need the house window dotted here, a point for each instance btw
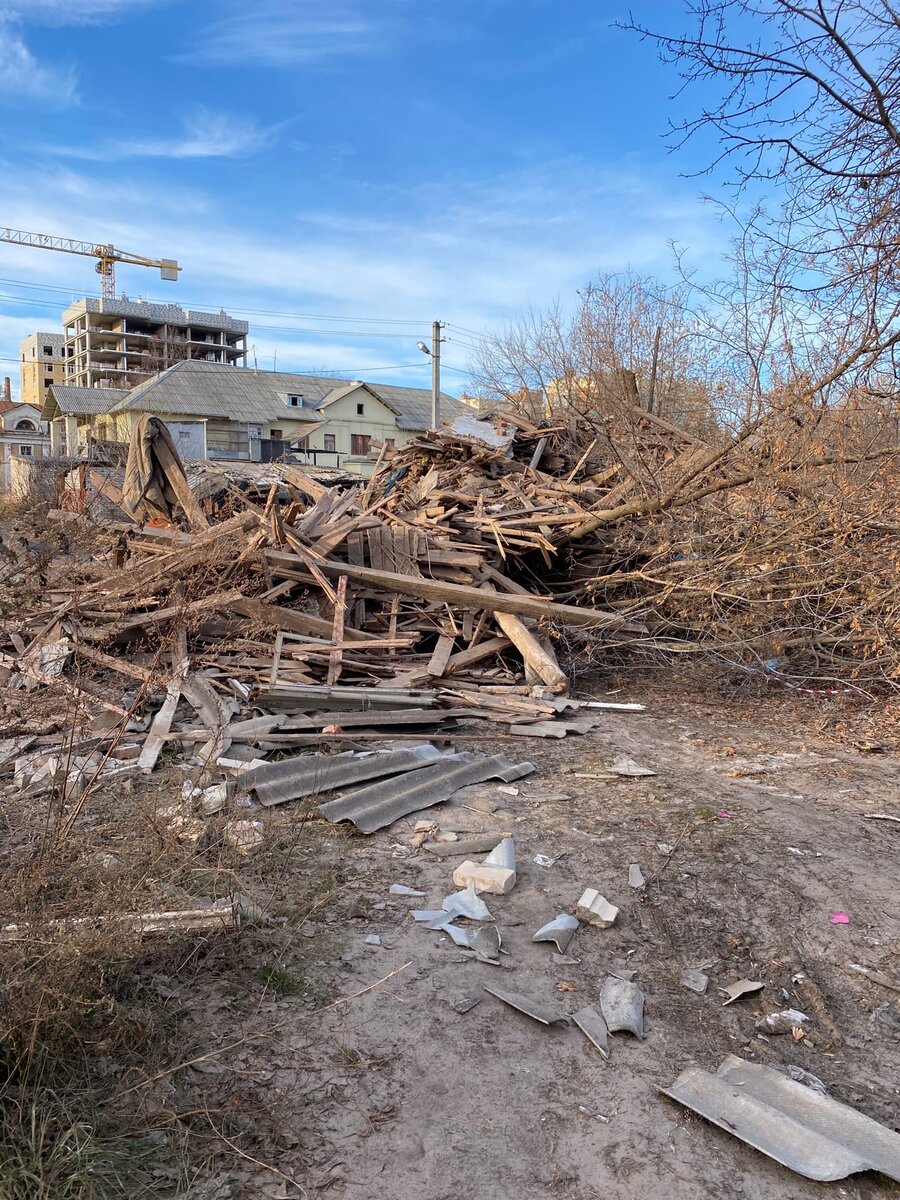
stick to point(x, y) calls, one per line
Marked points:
point(25, 451)
point(330, 446)
point(359, 443)
point(48, 351)
point(295, 401)
point(360, 409)
point(301, 443)
point(25, 425)
point(276, 435)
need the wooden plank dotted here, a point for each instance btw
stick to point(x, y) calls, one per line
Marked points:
point(162, 720)
point(291, 619)
point(467, 658)
point(337, 634)
point(441, 656)
point(533, 653)
point(465, 596)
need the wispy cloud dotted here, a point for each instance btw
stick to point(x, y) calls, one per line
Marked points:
point(280, 33)
point(23, 77)
point(67, 12)
point(206, 134)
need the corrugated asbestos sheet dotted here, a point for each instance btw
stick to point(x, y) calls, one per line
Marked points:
point(372, 807)
point(814, 1135)
point(309, 774)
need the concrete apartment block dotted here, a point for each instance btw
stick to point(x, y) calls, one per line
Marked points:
point(42, 358)
point(117, 343)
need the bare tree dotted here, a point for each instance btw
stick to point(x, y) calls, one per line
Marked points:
point(809, 101)
point(628, 344)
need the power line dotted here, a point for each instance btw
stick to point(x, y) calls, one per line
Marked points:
point(262, 312)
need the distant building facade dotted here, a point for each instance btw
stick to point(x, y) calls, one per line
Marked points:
point(23, 437)
point(42, 362)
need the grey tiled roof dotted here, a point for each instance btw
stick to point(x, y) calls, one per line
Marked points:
point(82, 401)
point(202, 389)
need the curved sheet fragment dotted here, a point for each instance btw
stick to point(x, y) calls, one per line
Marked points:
point(811, 1134)
point(560, 930)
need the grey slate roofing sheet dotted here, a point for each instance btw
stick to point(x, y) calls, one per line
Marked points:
point(812, 1134)
point(81, 401)
point(309, 774)
point(192, 388)
point(381, 803)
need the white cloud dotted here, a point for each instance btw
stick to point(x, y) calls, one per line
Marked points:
point(22, 76)
point(280, 33)
point(72, 12)
point(206, 134)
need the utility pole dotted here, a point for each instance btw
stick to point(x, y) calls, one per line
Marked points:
point(436, 375)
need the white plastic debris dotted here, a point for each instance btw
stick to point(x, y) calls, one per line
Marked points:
point(400, 889)
point(544, 860)
point(373, 940)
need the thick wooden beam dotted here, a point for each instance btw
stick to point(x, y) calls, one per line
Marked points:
point(463, 596)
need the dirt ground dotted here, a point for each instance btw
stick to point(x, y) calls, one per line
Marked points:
point(394, 1093)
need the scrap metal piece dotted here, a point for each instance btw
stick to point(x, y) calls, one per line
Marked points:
point(807, 1132)
point(592, 1025)
point(695, 980)
point(596, 909)
point(622, 1005)
point(636, 876)
point(309, 774)
point(743, 987)
point(537, 1012)
point(382, 803)
point(467, 903)
point(560, 930)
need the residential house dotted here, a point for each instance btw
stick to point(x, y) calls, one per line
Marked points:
point(219, 412)
point(23, 436)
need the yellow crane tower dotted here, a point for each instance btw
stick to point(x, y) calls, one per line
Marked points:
point(107, 256)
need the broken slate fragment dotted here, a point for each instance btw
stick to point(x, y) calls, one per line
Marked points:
point(636, 876)
point(467, 903)
point(560, 930)
point(743, 987)
point(592, 1025)
point(628, 768)
point(595, 909)
point(464, 1004)
point(485, 941)
point(622, 1005)
point(695, 980)
point(537, 1012)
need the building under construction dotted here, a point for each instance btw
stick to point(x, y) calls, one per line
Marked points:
point(118, 342)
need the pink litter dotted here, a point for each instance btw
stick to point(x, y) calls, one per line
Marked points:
point(840, 919)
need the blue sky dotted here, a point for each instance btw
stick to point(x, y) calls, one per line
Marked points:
point(379, 163)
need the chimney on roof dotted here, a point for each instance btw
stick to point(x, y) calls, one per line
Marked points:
point(7, 390)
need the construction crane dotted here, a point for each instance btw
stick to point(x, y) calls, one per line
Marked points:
point(107, 256)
